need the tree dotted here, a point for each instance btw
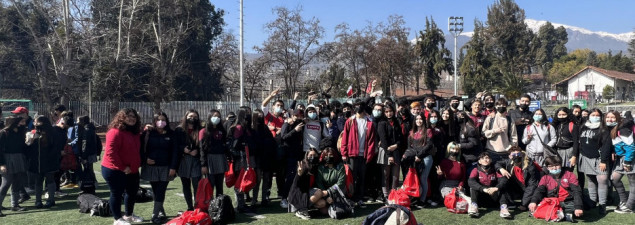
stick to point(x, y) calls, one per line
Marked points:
point(354, 50)
point(568, 65)
point(508, 37)
point(291, 45)
point(434, 57)
point(631, 48)
point(549, 45)
point(618, 62)
point(392, 59)
point(608, 92)
point(476, 67)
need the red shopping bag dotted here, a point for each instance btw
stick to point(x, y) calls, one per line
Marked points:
point(455, 203)
point(548, 209)
point(204, 194)
point(399, 197)
point(199, 217)
point(69, 160)
point(230, 176)
point(411, 183)
point(349, 181)
point(247, 177)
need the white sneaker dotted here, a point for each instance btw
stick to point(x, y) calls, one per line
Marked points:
point(133, 218)
point(433, 203)
point(284, 204)
point(120, 221)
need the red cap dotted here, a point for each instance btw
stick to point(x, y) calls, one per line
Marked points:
point(20, 110)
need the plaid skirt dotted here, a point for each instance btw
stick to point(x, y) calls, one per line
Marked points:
point(565, 155)
point(155, 173)
point(217, 163)
point(620, 169)
point(591, 166)
point(189, 167)
point(15, 163)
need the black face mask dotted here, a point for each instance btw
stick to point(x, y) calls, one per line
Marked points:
point(524, 107)
point(454, 154)
point(313, 160)
point(347, 114)
point(562, 120)
point(329, 160)
point(485, 167)
point(455, 105)
point(501, 109)
point(192, 121)
point(431, 105)
point(517, 159)
point(489, 104)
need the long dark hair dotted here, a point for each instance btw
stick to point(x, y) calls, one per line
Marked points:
point(467, 121)
point(119, 122)
point(155, 118)
point(556, 121)
point(452, 122)
point(415, 129)
point(544, 119)
point(209, 129)
point(243, 118)
point(183, 123)
point(45, 128)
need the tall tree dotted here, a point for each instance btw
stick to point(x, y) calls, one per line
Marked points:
point(291, 44)
point(354, 49)
point(392, 58)
point(631, 48)
point(434, 57)
point(476, 68)
point(509, 37)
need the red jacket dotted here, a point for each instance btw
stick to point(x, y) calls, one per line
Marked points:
point(122, 150)
point(350, 145)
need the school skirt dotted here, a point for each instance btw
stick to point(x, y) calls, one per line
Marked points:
point(217, 163)
point(155, 173)
point(591, 166)
point(619, 168)
point(566, 154)
point(189, 167)
point(15, 163)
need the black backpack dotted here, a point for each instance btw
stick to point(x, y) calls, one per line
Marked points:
point(101, 208)
point(85, 202)
point(144, 195)
point(88, 182)
point(341, 206)
point(221, 210)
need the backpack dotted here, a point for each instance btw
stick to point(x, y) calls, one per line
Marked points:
point(86, 201)
point(402, 216)
point(144, 195)
point(221, 210)
point(100, 208)
point(88, 182)
point(341, 206)
point(204, 194)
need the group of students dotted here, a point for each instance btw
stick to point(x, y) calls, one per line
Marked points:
point(494, 154)
point(32, 152)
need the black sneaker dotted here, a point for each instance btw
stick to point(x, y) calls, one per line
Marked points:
point(602, 210)
point(156, 220)
point(18, 208)
point(24, 199)
point(38, 205)
point(49, 204)
point(569, 217)
point(623, 209)
point(361, 204)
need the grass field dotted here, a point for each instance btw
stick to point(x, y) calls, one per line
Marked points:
point(66, 212)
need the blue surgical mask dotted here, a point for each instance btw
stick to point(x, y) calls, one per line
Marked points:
point(594, 119)
point(376, 113)
point(312, 115)
point(611, 124)
point(433, 120)
point(278, 110)
point(537, 118)
point(555, 172)
point(215, 120)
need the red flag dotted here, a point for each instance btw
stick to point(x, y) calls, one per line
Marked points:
point(369, 87)
point(349, 92)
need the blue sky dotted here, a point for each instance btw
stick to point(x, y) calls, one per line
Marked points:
point(614, 16)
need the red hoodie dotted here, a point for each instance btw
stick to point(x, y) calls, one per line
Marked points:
point(350, 143)
point(122, 150)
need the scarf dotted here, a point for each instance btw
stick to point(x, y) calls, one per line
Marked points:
point(592, 125)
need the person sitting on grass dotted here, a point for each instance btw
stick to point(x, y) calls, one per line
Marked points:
point(562, 184)
point(451, 170)
point(304, 184)
point(522, 175)
point(484, 179)
point(330, 175)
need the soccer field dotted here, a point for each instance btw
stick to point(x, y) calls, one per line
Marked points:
point(66, 212)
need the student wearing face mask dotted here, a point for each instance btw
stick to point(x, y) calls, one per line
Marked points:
point(451, 170)
point(522, 175)
point(329, 180)
point(188, 145)
point(214, 151)
point(374, 170)
point(489, 103)
point(576, 111)
point(595, 155)
point(314, 129)
point(420, 155)
point(275, 118)
point(499, 131)
point(624, 147)
point(567, 135)
point(159, 160)
point(265, 150)
point(88, 147)
point(539, 137)
point(439, 136)
point(521, 117)
point(291, 140)
point(469, 143)
point(430, 105)
point(389, 157)
point(303, 190)
point(561, 184)
point(487, 188)
point(455, 101)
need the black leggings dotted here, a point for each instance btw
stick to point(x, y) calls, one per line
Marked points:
point(187, 191)
point(217, 182)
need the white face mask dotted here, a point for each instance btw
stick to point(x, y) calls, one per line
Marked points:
point(215, 120)
point(161, 124)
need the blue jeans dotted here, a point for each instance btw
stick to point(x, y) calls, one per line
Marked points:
point(424, 168)
point(119, 182)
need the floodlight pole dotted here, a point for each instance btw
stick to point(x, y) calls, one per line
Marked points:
point(455, 26)
point(242, 91)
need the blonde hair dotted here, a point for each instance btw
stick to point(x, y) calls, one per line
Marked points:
point(447, 150)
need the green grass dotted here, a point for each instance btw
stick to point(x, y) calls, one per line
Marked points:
point(66, 212)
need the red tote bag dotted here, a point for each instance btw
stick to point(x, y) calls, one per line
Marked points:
point(411, 183)
point(230, 176)
point(349, 181)
point(247, 177)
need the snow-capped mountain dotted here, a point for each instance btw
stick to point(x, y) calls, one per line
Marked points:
point(579, 38)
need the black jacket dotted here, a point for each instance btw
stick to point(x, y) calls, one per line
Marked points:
point(567, 138)
point(88, 143)
point(162, 148)
point(11, 142)
point(292, 140)
point(595, 143)
point(389, 135)
point(44, 158)
point(469, 141)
